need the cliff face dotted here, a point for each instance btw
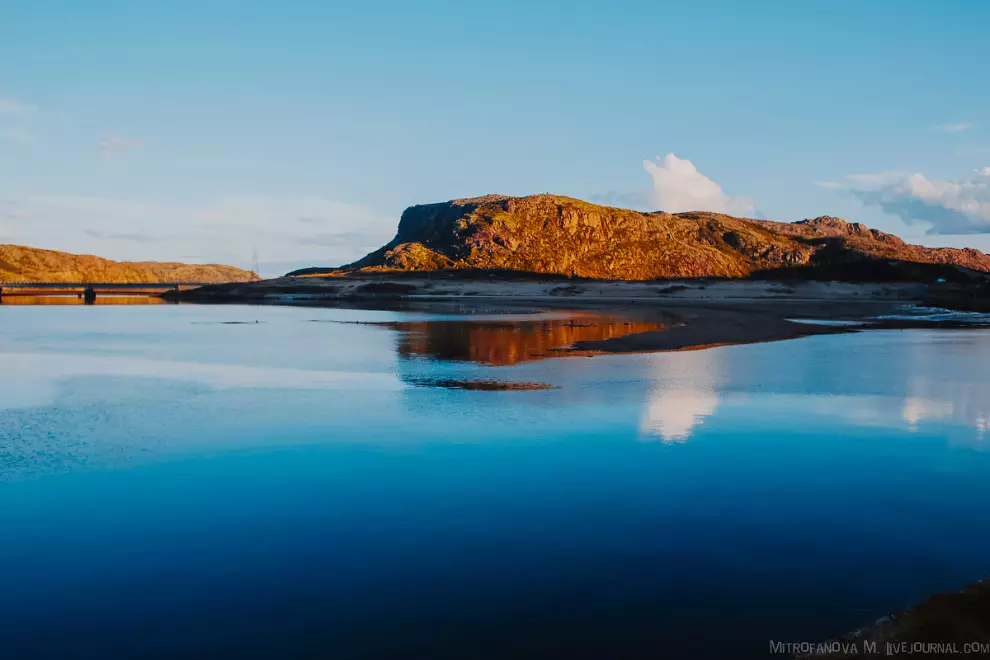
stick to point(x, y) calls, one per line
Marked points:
point(560, 235)
point(24, 264)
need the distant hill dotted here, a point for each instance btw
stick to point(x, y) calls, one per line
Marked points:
point(24, 264)
point(549, 234)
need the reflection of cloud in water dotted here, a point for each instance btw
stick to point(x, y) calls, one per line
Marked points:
point(101, 299)
point(911, 383)
point(39, 375)
point(672, 416)
point(779, 411)
point(961, 403)
point(916, 409)
point(684, 393)
point(947, 381)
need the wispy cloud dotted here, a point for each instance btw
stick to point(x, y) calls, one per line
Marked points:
point(635, 199)
point(333, 239)
point(10, 107)
point(12, 210)
point(224, 230)
point(113, 144)
point(679, 186)
point(123, 236)
point(14, 134)
point(973, 151)
point(948, 207)
point(875, 179)
point(954, 127)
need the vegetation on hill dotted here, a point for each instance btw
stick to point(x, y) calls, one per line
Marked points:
point(24, 264)
point(559, 235)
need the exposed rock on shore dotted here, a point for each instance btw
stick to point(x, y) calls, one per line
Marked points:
point(945, 624)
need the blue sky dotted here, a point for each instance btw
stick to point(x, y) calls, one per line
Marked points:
point(205, 130)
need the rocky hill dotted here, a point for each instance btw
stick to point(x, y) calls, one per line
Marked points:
point(24, 264)
point(560, 235)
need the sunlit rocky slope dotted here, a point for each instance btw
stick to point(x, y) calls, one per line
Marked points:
point(24, 264)
point(560, 235)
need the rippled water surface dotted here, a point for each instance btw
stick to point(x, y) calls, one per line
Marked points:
point(182, 481)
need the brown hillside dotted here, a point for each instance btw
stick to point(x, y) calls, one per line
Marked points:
point(24, 264)
point(560, 235)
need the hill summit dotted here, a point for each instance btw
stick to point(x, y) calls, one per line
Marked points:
point(551, 234)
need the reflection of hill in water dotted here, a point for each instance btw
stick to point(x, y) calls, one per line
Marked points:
point(101, 299)
point(501, 343)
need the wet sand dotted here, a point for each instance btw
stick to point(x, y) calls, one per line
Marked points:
point(695, 314)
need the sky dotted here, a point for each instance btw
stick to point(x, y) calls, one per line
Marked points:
point(296, 132)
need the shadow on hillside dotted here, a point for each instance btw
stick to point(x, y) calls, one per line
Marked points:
point(824, 268)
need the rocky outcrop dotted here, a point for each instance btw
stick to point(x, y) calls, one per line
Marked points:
point(565, 236)
point(955, 623)
point(24, 264)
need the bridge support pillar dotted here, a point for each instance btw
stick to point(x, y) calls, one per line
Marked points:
point(1, 294)
point(89, 295)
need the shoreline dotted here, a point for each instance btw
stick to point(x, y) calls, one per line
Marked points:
point(945, 623)
point(698, 314)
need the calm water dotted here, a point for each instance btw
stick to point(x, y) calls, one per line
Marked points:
point(269, 482)
point(77, 299)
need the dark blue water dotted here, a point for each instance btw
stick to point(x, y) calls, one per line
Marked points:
point(173, 485)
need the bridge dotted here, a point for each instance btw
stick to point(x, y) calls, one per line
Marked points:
point(88, 290)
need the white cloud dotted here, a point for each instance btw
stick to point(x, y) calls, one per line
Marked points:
point(12, 107)
point(954, 127)
point(948, 207)
point(113, 144)
point(299, 230)
point(678, 186)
